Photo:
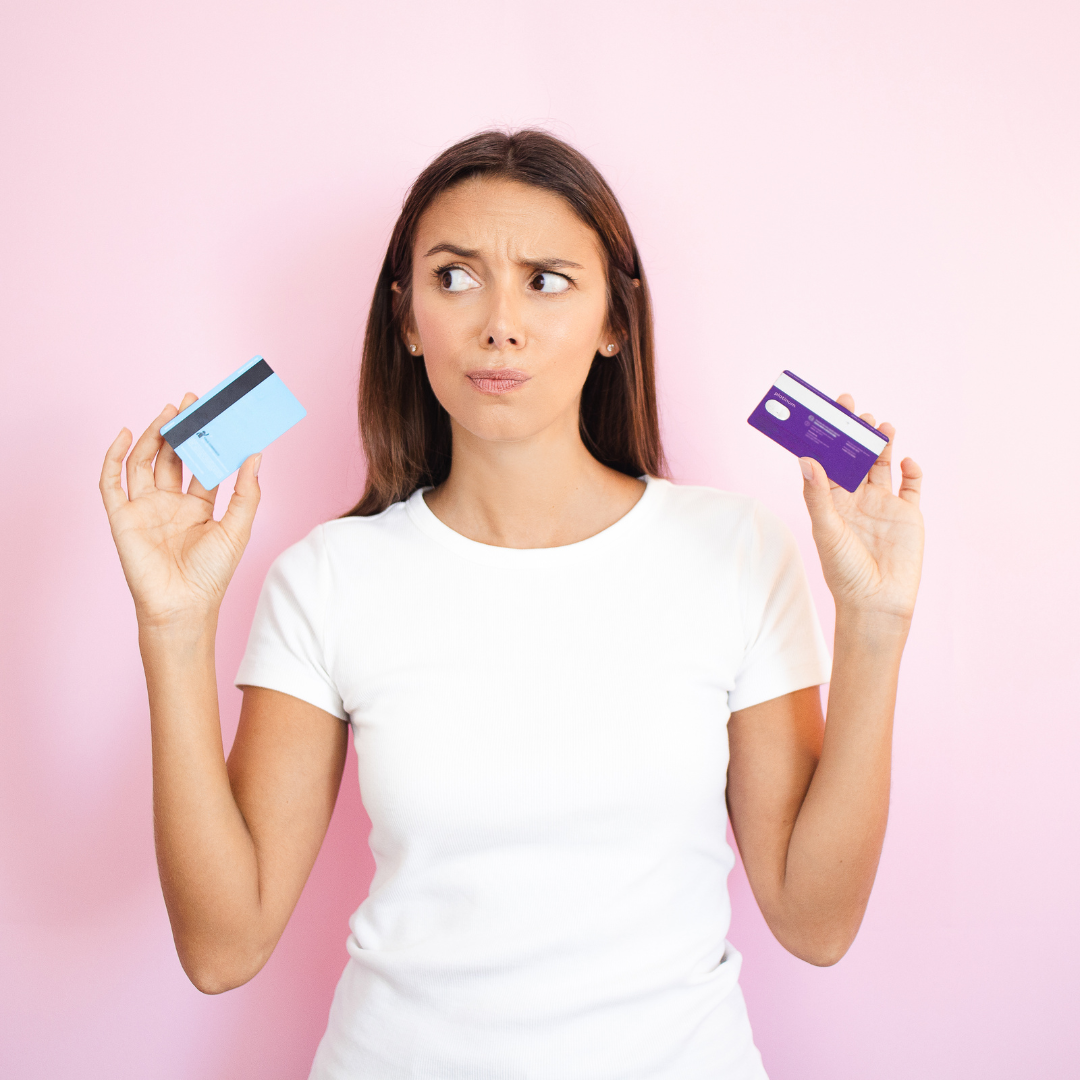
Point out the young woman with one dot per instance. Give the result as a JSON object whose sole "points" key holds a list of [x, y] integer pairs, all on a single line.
{"points": [[556, 667]]}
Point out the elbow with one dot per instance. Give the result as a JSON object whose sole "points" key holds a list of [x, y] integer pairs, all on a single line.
{"points": [[216, 972], [822, 947], [208, 982], [818, 929], [822, 954]]}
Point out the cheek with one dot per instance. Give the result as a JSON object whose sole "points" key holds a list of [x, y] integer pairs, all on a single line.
{"points": [[576, 323], [451, 335], [446, 350], [438, 324], [446, 338], [567, 341]]}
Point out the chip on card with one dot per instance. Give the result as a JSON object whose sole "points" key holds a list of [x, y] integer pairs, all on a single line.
{"points": [[242, 415], [806, 422]]}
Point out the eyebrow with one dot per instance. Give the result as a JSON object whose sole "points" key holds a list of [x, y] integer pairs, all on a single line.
{"points": [[472, 253]]}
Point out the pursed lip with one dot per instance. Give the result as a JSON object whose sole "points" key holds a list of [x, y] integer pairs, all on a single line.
{"points": [[497, 380]]}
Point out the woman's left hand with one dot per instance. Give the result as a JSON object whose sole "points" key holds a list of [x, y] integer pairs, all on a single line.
{"points": [[870, 541]]}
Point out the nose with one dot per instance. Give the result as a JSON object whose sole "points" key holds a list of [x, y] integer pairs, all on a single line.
{"points": [[503, 329]]}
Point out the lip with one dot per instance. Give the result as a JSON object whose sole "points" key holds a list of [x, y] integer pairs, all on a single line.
{"points": [[497, 380]]}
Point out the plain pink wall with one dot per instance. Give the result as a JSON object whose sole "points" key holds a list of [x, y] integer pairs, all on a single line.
{"points": [[881, 196]]}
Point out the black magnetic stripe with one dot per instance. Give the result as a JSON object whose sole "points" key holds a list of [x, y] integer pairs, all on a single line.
{"points": [[232, 393]]}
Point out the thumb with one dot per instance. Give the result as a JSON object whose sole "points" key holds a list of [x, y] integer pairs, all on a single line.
{"points": [[816, 491], [240, 512]]}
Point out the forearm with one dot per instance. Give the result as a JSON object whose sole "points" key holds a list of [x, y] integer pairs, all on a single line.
{"points": [[206, 857], [837, 837]]}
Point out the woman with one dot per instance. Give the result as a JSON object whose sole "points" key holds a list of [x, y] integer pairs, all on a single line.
{"points": [[555, 664]]}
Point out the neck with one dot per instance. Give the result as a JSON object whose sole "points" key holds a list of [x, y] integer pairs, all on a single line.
{"points": [[543, 491]]}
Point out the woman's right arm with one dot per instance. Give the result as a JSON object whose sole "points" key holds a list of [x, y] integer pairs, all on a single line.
{"points": [[235, 840]]}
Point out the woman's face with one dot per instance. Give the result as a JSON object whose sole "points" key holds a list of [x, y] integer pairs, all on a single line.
{"points": [[509, 307]]}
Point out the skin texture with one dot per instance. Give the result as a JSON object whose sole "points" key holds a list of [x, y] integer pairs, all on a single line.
{"points": [[236, 838]]}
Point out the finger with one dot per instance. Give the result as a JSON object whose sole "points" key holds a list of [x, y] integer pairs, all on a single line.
{"points": [[847, 401], [881, 471], [140, 467], [911, 482], [240, 512], [196, 489], [817, 492], [112, 493], [168, 468]]}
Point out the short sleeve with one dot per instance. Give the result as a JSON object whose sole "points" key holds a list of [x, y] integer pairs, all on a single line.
{"points": [[286, 648], [785, 648]]}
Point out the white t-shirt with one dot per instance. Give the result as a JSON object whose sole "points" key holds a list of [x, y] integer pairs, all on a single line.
{"points": [[542, 739]]}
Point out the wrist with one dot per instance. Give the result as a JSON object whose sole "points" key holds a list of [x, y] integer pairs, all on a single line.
{"points": [[869, 625], [191, 630]]}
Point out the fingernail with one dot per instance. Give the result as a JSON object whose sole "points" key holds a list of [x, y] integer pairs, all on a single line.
{"points": [[258, 462], [807, 468]]}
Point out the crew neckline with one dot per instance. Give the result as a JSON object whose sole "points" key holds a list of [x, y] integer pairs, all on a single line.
{"points": [[424, 518]]}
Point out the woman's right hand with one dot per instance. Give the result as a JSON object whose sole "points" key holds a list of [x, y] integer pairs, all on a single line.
{"points": [[177, 559]]}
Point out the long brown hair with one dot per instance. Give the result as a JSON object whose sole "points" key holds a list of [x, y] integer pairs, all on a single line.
{"points": [[404, 430]]}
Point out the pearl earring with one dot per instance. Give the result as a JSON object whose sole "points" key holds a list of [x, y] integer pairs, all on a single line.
{"points": [[412, 348], [610, 348]]}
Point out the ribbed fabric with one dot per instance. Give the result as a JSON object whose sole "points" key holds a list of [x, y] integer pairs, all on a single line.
{"points": [[542, 749]]}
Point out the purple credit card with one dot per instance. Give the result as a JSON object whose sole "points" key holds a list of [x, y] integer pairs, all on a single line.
{"points": [[809, 424]]}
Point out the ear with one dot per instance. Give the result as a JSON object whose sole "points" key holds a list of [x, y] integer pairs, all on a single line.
{"points": [[608, 345], [409, 335]]}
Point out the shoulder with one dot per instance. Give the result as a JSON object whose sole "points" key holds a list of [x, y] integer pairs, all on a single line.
{"points": [[697, 502], [354, 533], [340, 543], [719, 514], [726, 531]]}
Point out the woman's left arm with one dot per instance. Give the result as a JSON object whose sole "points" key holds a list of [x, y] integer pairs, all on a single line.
{"points": [[809, 802]]}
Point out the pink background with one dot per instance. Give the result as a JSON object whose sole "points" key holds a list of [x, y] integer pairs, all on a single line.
{"points": [[880, 196]]}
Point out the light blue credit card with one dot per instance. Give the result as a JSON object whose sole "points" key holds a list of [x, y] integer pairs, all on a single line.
{"points": [[242, 415]]}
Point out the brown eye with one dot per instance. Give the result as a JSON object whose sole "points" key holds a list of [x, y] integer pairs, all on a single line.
{"points": [[455, 279], [550, 283]]}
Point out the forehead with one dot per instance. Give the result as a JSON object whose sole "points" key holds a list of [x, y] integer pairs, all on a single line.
{"points": [[496, 216]]}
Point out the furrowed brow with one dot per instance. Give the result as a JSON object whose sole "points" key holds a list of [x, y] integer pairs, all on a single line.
{"points": [[453, 249], [536, 264], [552, 264]]}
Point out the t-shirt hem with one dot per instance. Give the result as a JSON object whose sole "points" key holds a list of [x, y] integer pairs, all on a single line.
{"points": [[298, 687], [796, 681]]}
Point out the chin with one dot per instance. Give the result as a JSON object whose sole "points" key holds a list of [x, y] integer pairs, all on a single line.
{"points": [[497, 419], [499, 429]]}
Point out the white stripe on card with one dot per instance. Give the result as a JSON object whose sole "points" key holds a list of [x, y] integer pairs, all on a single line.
{"points": [[830, 413]]}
